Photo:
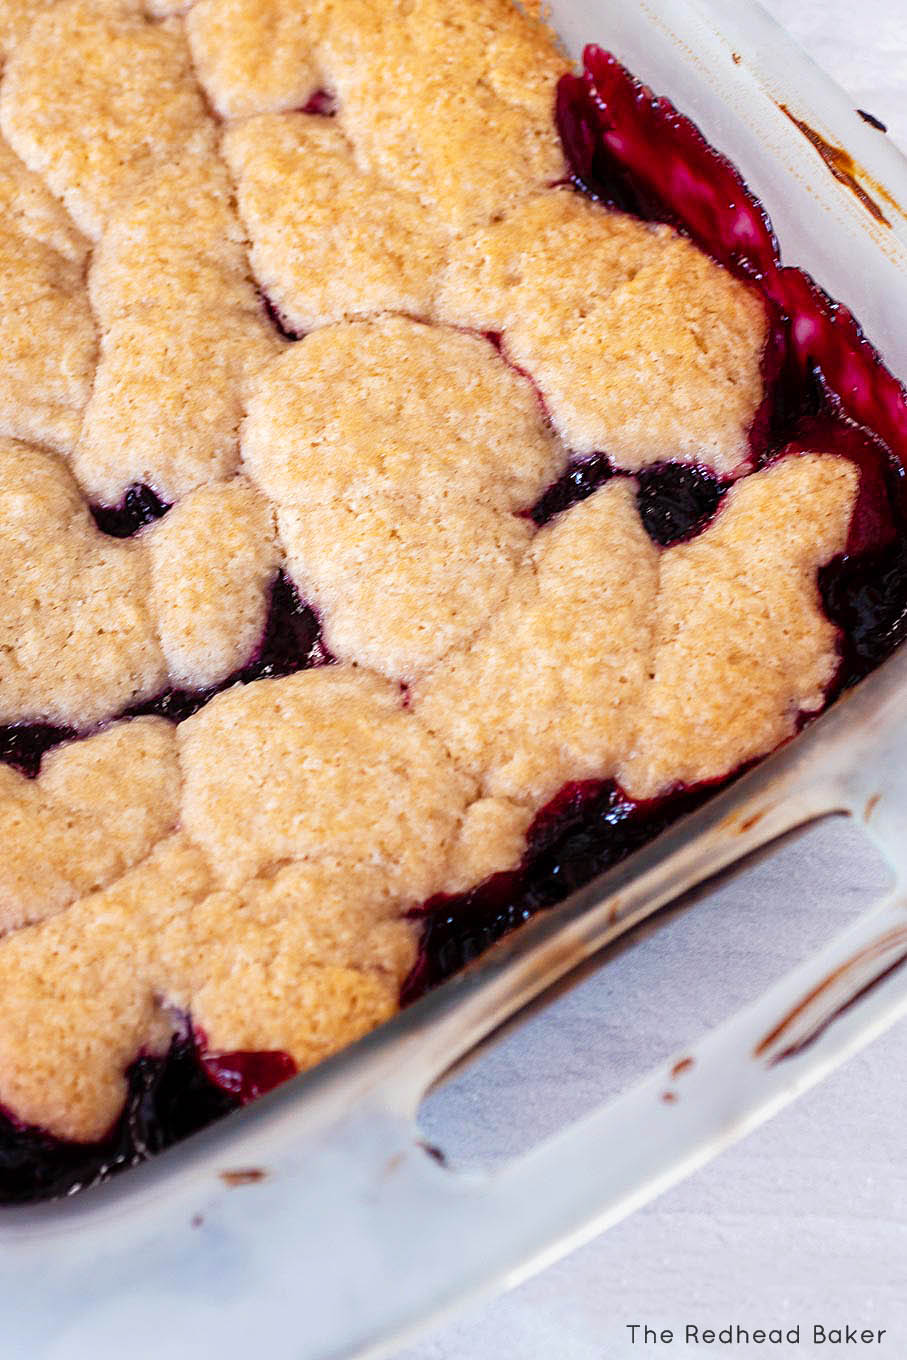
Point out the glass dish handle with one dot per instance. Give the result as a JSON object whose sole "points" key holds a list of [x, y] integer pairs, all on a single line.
{"points": [[361, 1233]]}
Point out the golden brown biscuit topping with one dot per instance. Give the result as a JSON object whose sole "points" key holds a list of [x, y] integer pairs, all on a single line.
{"points": [[384, 181]]}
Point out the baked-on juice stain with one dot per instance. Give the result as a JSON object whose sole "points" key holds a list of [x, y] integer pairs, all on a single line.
{"points": [[824, 382], [841, 164], [871, 119], [244, 1175], [878, 950]]}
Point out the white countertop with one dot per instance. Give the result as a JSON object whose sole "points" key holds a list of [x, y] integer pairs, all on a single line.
{"points": [[806, 1220]]}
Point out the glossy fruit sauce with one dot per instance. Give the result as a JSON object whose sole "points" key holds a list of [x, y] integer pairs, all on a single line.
{"points": [[826, 389]]}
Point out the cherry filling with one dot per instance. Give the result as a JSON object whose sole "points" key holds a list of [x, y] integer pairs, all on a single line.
{"points": [[676, 502], [291, 642], [273, 313], [322, 103], [292, 638], [633, 151], [248, 1075], [587, 828], [167, 1099], [582, 477], [866, 596], [22, 745], [139, 506], [826, 389]]}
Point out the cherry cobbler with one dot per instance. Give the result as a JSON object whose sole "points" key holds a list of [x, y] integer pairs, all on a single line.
{"points": [[420, 482]]}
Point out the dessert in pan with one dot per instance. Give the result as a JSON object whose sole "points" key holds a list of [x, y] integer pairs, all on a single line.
{"points": [[420, 482]]}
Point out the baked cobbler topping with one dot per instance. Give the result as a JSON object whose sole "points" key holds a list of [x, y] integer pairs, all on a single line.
{"points": [[638, 342], [420, 482]]}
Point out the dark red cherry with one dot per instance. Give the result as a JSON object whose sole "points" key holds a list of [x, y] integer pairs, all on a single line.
{"points": [[22, 745], [167, 1099], [248, 1075], [322, 103], [275, 316], [676, 501], [139, 506], [582, 477]]}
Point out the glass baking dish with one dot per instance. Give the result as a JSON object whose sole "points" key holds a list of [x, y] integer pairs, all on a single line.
{"points": [[317, 1223]]}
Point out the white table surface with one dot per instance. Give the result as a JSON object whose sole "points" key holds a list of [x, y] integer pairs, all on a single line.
{"points": [[806, 1220]]}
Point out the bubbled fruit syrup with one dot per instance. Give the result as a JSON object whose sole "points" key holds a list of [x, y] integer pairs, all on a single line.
{"points": [[168, 1097], [632, 150], [139, 507], [826, 390], [588, 827]]}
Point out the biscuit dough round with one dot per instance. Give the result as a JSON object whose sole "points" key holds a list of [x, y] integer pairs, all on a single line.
{"points": [[742, 644], [550, 690], [398, 455], [213, 560], [328, 240], [77, 637], [323, 764], [252, 56], [641, 345], [303, 961], [446, 99], [131, 103], [98, 807]]}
